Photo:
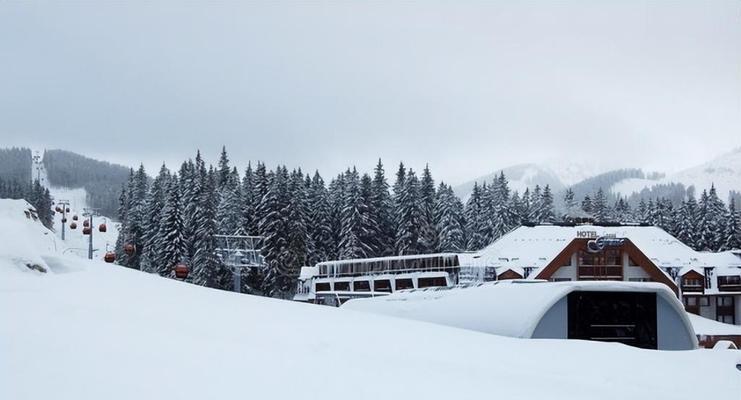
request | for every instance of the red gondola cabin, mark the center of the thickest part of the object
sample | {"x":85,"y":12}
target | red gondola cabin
{"x":102,"y":228}
{"x":181,"y":271}
{"x":109,"y":257}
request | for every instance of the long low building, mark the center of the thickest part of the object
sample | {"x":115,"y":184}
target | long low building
{"x":709,"y":284}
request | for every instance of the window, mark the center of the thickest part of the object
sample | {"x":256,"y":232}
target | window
{"x":323,"y":287}
{"x":692,"y":282}
{"x":382,"y":285}
{"x":361,"y":286}
{"x":724,"y":301}
{"x":639,"y":279}
{"x":704,"y":301}
{"x":404,"y":284}
{"x":560,"y":279}
{"x":342,"y":286}
{"x":432,"y":282}
{"x":690,"y":301}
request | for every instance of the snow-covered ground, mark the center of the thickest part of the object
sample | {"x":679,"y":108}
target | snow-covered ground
{"x":91,"y":330}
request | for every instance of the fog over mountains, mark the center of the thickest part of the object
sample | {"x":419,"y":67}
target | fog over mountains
{"x":723,"y":171}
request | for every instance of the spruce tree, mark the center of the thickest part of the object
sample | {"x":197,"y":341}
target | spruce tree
{"x":409,"y":216}
{"x":450,"y":220}
{"x":428,"y":234}
{"x":381,"y":206}
{"x":320,"y":222}
{"x":475,"y":226}
{"x":732,"y":231}
{"x":171,"y":246}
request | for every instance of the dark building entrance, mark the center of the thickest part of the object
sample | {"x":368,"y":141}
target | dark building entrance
{"x":624,"y":317}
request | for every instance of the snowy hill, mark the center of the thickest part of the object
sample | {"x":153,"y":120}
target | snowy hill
{"x":91,"y":330}
{"x":724,"y":172}
{"x":520,"y":177}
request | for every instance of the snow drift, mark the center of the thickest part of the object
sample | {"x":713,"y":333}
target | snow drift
{"x":91,"y":330}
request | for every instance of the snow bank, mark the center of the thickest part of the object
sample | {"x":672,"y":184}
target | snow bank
{"x":91,"y":330}
{"x":23,"y":237}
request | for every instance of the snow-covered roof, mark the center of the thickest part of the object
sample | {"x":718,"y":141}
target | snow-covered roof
{"x":705,"y":326}
{"x":508,"y":308}
{"x":537,"y":246}
{"x":307,"y":273}
{"x":385,"y":259}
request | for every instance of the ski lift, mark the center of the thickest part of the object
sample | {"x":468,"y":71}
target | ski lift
{"x":102,"y":228}
{"x":86,"y":223}
{"x":74,"y":217}
{"x":73,"y":225}
{"x":181,"y":271}
{"x":64,"y":220}
{"x":86,"y":230}
{"x":58,"y":209}
{"x":129,"y":249}
{"x":109,"y":257}
{"x":67,"y":209}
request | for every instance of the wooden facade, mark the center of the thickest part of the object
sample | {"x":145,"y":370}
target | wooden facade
{"x":605,"y":264}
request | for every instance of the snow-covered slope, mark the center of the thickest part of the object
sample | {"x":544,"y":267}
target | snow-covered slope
{"x":91,"y":330}
{"x":724,"y":172}
{"x":75,"y":242}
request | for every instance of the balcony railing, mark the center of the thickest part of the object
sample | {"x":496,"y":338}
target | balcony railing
{"x":729,"y":283}
{"x":600,"y":272}
{"x":693,"y":287}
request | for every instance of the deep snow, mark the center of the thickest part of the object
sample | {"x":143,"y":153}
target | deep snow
{"x":91,"y":330}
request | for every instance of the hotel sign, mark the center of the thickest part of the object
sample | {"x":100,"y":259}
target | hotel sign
{"x":599,"y":244}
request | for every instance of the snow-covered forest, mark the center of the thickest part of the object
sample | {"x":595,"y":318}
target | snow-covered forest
{"x":303,"y":219}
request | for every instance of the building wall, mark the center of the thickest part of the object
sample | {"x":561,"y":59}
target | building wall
{"x":670,"y":328}
{"x":555,"y":322}
{"x":632,"y":272}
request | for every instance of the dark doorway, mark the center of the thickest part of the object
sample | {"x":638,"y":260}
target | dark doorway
{"x":623,"y":317}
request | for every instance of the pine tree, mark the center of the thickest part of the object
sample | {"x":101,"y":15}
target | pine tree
{"x":570,"y":205}
{"x":297,"y":230}
{"x":273,"y":228}
{"x":732,"y":231}
{"x":352,"y":224}
{"x":370,"y":229}
{"x":409,"y":216}
{"x":153,"y":205}
{"x":171,"y":244}
{"x":546,"y":206}
{"x":135,"y":219}
{"x":229,"y":212}
{"x":599,"y":206}
{"x":249,"y":203}
{"x":428,"y":233}
{"x":586,"y":205}
{"x":320,"y":224}
{"x":207,"y":270}
{"x":381,"y":206}
{"x":450,"y":220}
{"x":224,"y":171}
{"x":475,"y":226}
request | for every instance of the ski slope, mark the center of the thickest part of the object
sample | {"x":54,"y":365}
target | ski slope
{"x":91,"y":330}
{"x":75,"y":242}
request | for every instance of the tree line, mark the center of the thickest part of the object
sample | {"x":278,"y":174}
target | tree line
{"x":303,"y":219}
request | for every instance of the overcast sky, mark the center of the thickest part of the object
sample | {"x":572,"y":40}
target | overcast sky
{"x":468,"y":88}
